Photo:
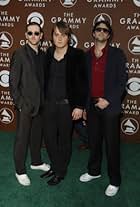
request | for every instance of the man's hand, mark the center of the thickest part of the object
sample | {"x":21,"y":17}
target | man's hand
{"x":77,"y":113}
{"x":84,"y":115}
{"x":102,"y":103}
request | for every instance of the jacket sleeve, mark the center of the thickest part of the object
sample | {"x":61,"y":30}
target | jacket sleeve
{"x":15,"y":79}
{"x":123,"y":75}
{"x":81,"y":80}
{"x":117,"y":91}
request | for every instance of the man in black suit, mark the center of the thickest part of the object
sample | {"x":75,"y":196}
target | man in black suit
{"x":27,"y":90}
{"x":107,"y":80}
{"x":66,"y":92}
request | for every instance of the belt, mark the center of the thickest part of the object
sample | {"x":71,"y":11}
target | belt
{"x":62,"y":101}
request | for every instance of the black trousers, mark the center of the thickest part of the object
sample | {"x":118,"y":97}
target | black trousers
{"x":28,"y":134}
{"x":103,"y":125}
{"x":57,"y":133}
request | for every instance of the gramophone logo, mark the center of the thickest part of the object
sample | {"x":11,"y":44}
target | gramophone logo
{"x":133,"y":86}
{"x":4,"y":2}
{"x":102,"y":17}
{"x":73,"y":41}
{"x":129,"y":126}
{"x":6,"y":40}
{"x":6,"y":115}
{"x":68,"y":3}
{"x":36,"y":17}
{"x":4,"y":78}
{"x":134,"y":45}
{"x":137,"y":2}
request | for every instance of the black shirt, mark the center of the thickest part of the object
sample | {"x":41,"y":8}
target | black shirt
{"x":57,"y":80}
{"x":36,"y":57}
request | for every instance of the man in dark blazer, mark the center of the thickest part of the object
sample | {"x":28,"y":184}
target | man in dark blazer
{"x":66,"y":92}
{"x":107,"y":80}
{"x":27,"y":90}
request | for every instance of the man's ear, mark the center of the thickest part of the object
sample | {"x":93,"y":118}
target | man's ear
{"x":41,"y":35}
{"x":108,"y":36}
{"x":93,"y":34}
{"x":26,"y":35}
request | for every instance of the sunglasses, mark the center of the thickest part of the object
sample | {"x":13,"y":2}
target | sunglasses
{"x":99,"y":29}
{"x":35,"y":33}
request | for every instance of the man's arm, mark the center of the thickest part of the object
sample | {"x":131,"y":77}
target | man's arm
{"x":81,"y":80}
{"x":115,"y":93}
{"x":81,"y":86}
{"x":15,"y":79}
{"x":123,"y":75}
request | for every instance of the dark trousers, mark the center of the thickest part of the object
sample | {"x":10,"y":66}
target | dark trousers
{"x":103,"y":125}
{"x":57,"y":133}
{"x":28,"y":134}
{"x":81,"y":129}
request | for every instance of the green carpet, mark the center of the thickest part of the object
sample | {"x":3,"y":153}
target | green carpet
{"x":70,"y":192}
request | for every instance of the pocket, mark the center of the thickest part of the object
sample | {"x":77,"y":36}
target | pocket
{"x":27,"y":108}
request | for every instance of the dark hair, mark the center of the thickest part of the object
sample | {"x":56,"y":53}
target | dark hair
{"x":34,"y":23}
{"x":63,"y":28}
{"x":107,"y":25}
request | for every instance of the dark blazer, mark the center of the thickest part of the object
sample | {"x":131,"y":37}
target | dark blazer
{"x":24,"y":86}
{"x":76,"y":81}
{"x":115,"y":77}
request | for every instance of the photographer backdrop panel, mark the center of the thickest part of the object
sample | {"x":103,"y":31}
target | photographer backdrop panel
{"x":124,"y":15}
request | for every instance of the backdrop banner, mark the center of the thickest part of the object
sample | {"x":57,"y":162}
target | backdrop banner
{"x":124,"y":16}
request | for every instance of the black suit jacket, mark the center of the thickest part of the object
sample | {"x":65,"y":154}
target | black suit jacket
{"x":24,"y":85}
{"x":76,"y":81}
{"x":115,"y":77}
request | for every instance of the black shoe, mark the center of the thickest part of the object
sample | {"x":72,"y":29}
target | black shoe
{"x":47,"y":174}
{"x":55,"y":180}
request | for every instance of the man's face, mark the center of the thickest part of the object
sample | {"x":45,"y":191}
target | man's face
{"x":33,"y":34}
{"x":101,"y":33}
{"x":60,"y":40}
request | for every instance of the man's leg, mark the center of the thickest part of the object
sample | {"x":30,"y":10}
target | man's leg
{"x":50,"y":132}
{"x":36,"y":143}
{"x":112,"y":140}
{"x":36,"y":140}
{"x":21,"y":141}
{"x":94,"y":127}
{"x":64,"y":139}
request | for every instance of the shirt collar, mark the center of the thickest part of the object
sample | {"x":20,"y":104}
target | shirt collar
{"x":32,"y":50}
{"x":104,"y":50}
